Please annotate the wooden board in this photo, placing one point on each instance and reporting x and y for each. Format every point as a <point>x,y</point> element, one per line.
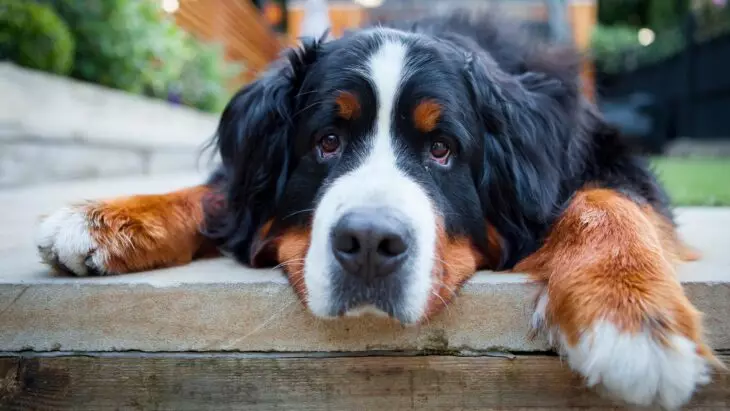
<point>265,382</point>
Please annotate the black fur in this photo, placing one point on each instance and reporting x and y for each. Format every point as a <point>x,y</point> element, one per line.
<point>255,141</point>
<point>528,139</point>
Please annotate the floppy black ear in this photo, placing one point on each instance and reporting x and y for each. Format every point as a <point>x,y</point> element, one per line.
<point>254,140</point>
<point>527,122</point>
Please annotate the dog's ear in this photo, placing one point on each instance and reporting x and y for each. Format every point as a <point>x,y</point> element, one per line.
<point>526,121</point>
<point>255,142</point>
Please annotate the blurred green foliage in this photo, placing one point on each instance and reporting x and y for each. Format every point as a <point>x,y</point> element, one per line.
<point>204,76</point>
<point>609,45</point>
<point>116,41</point>
<point>615,44</point>
<point>654,14</point>
<point>131,45</point>
<point>616,48</point>
<point>666,14</point>
<point>32,35</point>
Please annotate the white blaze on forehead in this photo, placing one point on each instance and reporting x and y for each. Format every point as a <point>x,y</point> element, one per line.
<point>386,68</point>
<point>376,182</point>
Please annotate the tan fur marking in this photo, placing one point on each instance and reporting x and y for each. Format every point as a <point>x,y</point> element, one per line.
<point>676,249</point>
<point>494,251</point>
<point>606,258</point>
<point>348,105</point>
<point>426,115</point>
<point>149,231</point>
<point>262,249</point>
<point>292,248</point>
<point>456,261</point>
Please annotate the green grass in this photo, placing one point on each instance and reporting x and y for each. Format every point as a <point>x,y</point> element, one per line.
<point>695,181</point>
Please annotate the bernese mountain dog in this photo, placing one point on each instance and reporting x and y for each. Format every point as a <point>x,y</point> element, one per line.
<point>384,168</point>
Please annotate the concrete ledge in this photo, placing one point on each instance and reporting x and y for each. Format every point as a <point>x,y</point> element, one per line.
<point>54,128</point>
<point>216,305</point>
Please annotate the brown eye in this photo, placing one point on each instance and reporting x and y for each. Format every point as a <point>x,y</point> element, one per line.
<point>440,151</point>
<point>329,144</point>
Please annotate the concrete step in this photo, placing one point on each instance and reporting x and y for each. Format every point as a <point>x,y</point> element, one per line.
<point>216,335</point>
<point>217,305</point>
<point>54,128</point>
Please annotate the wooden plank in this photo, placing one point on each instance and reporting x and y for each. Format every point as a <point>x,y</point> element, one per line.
<point>264,382</point>
<point>9,382</point>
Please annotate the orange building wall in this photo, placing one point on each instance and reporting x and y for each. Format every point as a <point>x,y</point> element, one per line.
<point>342,17</point>
<point>583,18</point>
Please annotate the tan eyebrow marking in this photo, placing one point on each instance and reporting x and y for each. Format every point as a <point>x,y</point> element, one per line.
<point>426,115</point>
<point>348,105</point>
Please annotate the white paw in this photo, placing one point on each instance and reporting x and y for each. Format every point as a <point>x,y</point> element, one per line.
<point>637,368</point>
<point>634,368</point>
<point>65,242</point>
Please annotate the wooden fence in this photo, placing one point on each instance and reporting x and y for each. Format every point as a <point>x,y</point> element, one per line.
<point>689,92</point>
<point>238,25</point>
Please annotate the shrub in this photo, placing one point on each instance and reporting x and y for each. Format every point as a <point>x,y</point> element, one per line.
<point>616,48</point>
<point>118,42</point>
<point>610,45</point>
<point>166,49</point>
<point>133,46</point>
<point>32,35</point>
<point>206,76</point>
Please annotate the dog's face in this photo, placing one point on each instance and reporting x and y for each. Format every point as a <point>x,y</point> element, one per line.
<point>362,167</point>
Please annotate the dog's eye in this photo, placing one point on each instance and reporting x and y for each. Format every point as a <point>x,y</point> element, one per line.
<point>440,152</point>
<point>329,144</point>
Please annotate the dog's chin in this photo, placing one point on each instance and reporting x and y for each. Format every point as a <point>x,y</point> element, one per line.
<point>364,309</point>
<point>367,311</point>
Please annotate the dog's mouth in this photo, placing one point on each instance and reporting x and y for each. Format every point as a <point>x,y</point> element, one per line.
<point>406,298</point>
<point>353,296</point>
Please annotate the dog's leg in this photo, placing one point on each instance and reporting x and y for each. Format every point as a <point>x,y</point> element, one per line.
<point>125,234</point>
<point>612,304</point>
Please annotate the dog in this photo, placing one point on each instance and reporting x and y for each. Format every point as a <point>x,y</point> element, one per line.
<point>382,169</point>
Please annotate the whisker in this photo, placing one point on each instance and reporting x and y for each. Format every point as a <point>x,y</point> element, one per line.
<point>450,289</point>
<point>287,262</point>
<point>316,103</point>
<point>265,323</point>
<point>428,321</point>
<point>293,285</point>
<point>307,92</point>
<point>445,263</point>
<point>446,305</point>
<point>299,280</point>
<point>273,316</point>
<point>298,212</point>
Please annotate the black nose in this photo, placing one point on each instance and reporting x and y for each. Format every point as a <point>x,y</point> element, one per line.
<point>371,243</point>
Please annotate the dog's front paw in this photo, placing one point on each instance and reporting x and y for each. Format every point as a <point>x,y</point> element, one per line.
<point>639,368</point>
<point>654,363</point>
<point>65,241</point>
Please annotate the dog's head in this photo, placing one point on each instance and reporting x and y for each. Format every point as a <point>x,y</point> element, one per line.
<point>383,169</point>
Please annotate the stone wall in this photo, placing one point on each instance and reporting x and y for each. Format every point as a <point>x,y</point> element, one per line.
<point>57,129</point>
